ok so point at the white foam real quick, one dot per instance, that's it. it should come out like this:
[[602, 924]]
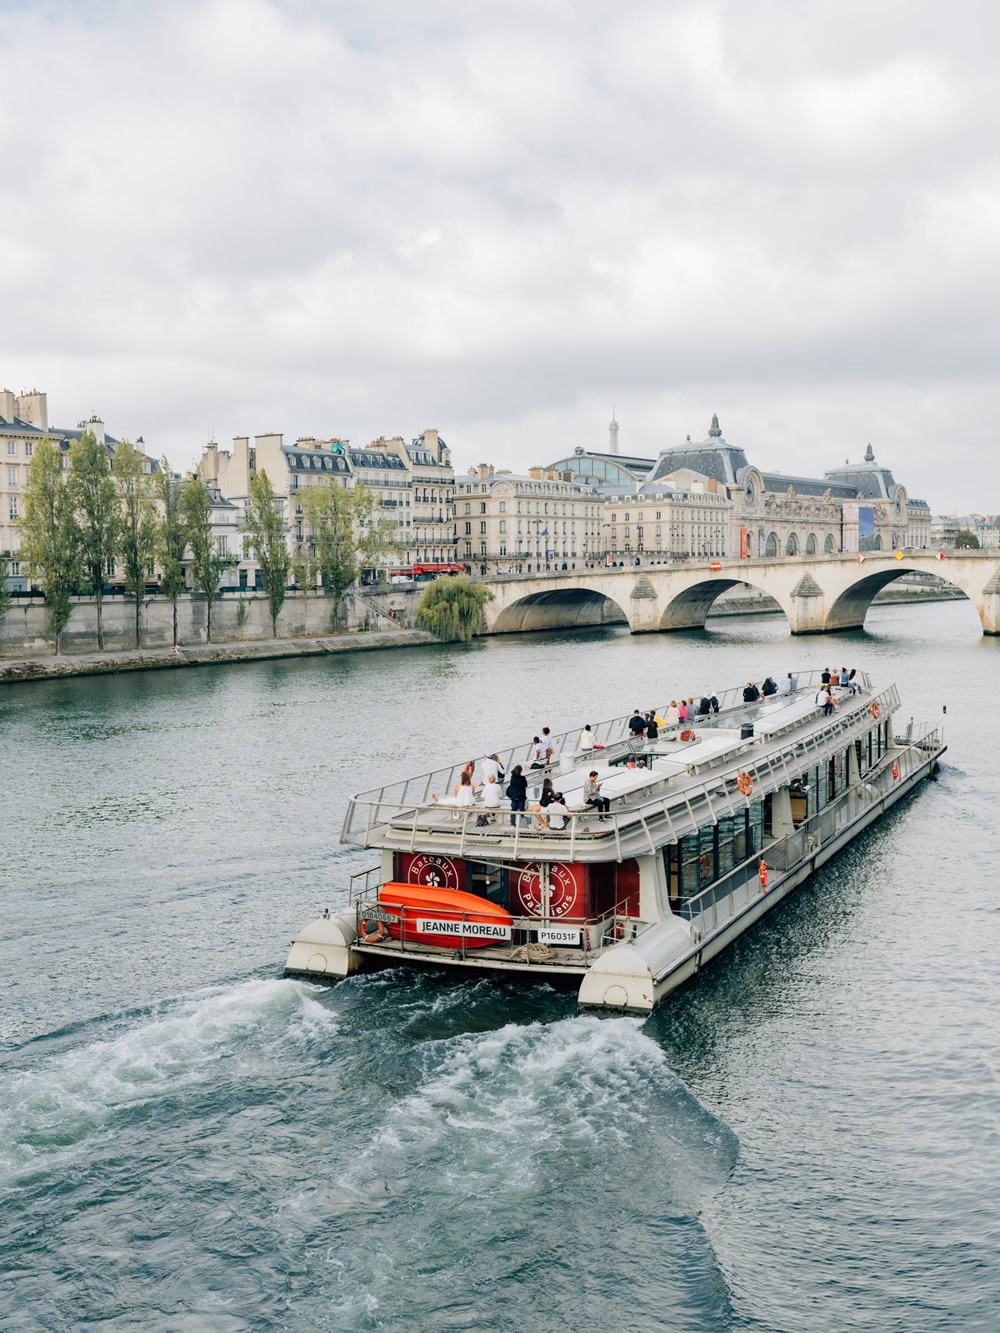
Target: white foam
[[70, 1097]]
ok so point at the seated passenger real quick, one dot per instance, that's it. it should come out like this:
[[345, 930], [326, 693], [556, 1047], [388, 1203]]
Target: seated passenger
[[463, 795]]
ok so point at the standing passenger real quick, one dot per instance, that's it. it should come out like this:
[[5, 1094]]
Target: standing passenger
[[517, 790], [637, 724], [652, 726]]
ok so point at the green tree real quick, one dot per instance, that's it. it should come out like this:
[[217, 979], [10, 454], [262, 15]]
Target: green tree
[[171, 536], [966, 540], [347, 536], [5, 594], [452, 608], [137, 535], [95, 509], [265, 529], [48, 535], [207, 563]]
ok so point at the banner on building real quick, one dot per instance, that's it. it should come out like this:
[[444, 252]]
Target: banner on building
[[744, 543]]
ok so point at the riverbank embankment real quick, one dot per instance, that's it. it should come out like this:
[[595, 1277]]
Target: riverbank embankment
[[208, 654]]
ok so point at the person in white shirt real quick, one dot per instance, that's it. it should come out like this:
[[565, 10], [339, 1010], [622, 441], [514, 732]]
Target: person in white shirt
[[555, 814], [586, 739], [787, 685], [488, 768], [537, 753], [673, 714], [491, 793]]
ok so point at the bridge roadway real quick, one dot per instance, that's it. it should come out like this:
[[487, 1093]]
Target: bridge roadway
[[818, 594]]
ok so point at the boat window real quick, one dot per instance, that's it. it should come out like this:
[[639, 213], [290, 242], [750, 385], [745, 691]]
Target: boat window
[[755, 828]]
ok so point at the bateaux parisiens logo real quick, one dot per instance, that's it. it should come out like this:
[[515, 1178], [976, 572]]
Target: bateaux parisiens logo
[[439, 872], [564, 891]]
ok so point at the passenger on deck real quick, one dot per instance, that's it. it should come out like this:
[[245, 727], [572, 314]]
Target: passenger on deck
[[557, 815], [768, 688], [853, 683], [682, 711], [788, 684], [637, 725], [592, 794], [825, 677], [491, 800], [825, 699], [751, 694], [691, 709], [463, 794], [705, 707], [547, 742], [715, 704], [586, 741], [652, 726], [489, 768], [517, 790], [845, 679], [537, 753], [673, 714]]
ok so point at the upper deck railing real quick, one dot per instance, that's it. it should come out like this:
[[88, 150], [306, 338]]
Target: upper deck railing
[[665, 808]]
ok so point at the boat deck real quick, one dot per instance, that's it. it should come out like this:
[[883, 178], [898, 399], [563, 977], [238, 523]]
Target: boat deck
[[660, 790]]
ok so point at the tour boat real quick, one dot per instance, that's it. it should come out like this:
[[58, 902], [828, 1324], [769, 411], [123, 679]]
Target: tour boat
[[711, 825]]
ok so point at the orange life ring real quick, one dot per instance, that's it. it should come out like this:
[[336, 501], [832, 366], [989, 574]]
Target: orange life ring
[[379, 935], [895, 772], [763, 875], [745, 782], [873, 709], [689, 735]]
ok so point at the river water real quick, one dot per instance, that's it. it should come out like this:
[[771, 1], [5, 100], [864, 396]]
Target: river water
[[806, 1138]]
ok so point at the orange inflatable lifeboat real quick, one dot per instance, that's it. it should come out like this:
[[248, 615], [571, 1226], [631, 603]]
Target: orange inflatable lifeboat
[[477, 921]]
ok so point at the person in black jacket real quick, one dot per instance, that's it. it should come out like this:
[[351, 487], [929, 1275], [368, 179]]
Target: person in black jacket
[[517, 790], [751, 694]]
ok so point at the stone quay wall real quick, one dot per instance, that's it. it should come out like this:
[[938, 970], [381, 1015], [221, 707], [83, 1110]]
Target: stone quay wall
[[24, 631]]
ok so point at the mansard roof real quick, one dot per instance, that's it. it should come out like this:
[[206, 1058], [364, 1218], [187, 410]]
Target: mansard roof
[[16, 426]]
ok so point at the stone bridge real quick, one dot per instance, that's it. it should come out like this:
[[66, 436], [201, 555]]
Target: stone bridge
[[818, 594]]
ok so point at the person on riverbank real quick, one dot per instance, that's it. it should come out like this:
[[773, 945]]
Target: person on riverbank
[[517, 790], [592, 794]]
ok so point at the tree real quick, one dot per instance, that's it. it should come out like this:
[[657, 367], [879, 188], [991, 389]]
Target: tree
[[452, 608], [265, 528], [95, 509], [49, 537], [347, 537], [966, 540], [171, 537], [207, 563], [5, 594], [137, 524]]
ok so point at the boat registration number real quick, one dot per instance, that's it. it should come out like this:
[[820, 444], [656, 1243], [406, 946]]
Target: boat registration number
[[376, 914], [558, 935], [476, 930]]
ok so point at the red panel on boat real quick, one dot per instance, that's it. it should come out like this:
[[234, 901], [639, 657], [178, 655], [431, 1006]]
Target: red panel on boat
[[441, 872], [426, 902], [566, 890]]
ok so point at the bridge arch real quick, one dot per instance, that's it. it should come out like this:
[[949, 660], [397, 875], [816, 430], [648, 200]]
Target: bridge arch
[[689, 608], [559, 608], [849, 609]]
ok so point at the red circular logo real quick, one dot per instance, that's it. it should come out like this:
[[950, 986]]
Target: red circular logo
[[563, 891], [439, 872]]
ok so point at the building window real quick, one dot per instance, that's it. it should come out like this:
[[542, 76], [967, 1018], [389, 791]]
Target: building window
[[482, 548], [468, 529], [222, 544], [503, 506], [13, 508], [503, 525], [482, 526], [482, 504], [468, 508], [503, 548], [15, 568], [12, 476], [11, 447], [28, 447]]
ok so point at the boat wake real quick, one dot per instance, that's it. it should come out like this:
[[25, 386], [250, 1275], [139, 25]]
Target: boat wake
[[75, 1095]]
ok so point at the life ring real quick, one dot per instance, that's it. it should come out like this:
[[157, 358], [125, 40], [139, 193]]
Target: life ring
[[745, 782], [874, 710], [689, 735], [895, 772], [763, 875], [379, 935]]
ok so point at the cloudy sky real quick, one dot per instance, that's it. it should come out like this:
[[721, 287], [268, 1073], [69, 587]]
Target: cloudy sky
[[225, 217]]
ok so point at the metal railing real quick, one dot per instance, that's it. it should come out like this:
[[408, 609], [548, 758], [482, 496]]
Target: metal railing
[[608, 734], [656, 812]]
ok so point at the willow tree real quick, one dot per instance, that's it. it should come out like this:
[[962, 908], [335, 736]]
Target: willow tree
[[347, 535], [95, 509], [452, 608], [136, 524], [171, 538], [48, 535], [265, 529], [207, 561]]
